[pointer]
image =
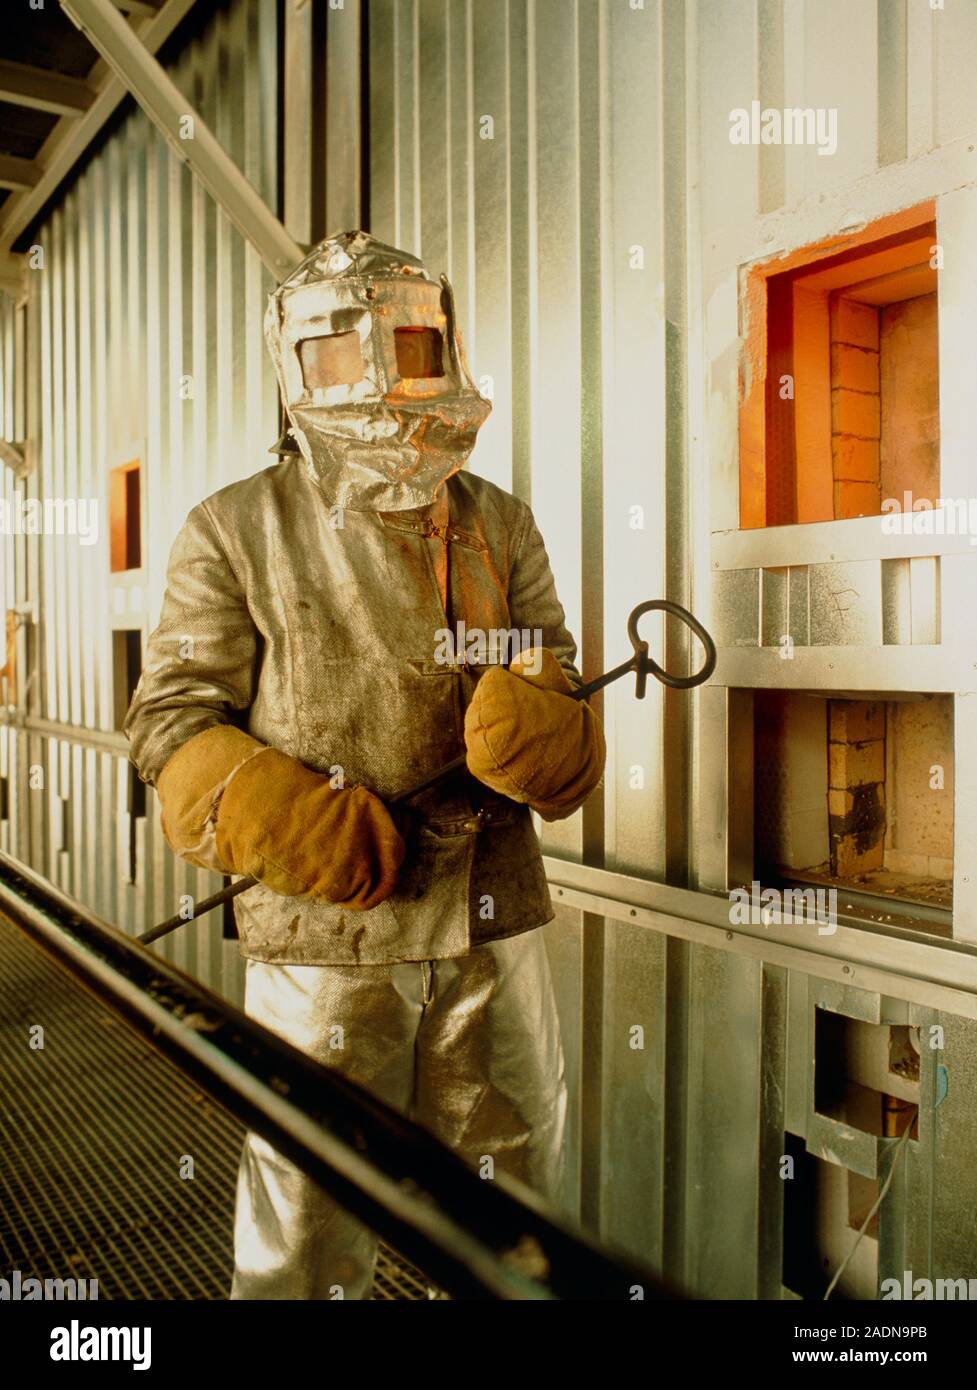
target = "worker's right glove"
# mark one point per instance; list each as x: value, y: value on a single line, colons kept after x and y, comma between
x: 231, y: 803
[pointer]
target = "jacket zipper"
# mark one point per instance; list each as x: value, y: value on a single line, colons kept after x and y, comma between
x: 443, y: 534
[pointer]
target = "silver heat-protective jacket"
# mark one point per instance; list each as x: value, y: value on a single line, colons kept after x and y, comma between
x: 321, y: 639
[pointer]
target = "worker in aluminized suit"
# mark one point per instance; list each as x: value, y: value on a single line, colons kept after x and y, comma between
x: 302, y: 671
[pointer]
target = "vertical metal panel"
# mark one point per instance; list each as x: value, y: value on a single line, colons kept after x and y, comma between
x: 722, y: 1137
x: 555, y: 439
x: 908, y: 1226
x: 954, y: 1212
x: 846, y: 604
x: 592, y: 48
x: 770, y: 93
x: 343, y: 135
x: 774, y: 609
x: 893, y: 57
x: 635, y: 1075
x: 10, y: 385
x: 491, y: 228
x: 384, y: 119
x: 921, y: 29
x: 840, y: 77
x: 565, y: 946
x: 677, y: 749
x: 434, y: 129
x: 633, y: 415
x: 772, y: 1139
x: 727, y: 55
x: 954, y: 29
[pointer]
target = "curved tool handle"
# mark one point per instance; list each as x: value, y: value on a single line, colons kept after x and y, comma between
x: 646, y: 666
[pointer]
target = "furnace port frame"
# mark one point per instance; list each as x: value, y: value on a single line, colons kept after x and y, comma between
x: 839, y: 410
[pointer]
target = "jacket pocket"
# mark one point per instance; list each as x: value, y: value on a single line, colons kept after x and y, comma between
x: 438, y: 861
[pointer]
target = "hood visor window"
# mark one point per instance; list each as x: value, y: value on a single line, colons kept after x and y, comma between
x: 335, y: 359
x: 419, y: 353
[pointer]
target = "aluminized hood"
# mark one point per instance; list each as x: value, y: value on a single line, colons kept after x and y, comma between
x: 384, y: 441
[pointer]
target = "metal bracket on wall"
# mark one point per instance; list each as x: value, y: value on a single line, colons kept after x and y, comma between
x: 939, y: 974
x: 14, y: 454
x: 168, y: 109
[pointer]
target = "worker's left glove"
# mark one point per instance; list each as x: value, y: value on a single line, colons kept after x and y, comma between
x: 527, y: 741
x: 230, y: 802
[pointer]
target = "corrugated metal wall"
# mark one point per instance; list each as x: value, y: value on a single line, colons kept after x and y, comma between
x: 568, y: 162
x: 145, y: 343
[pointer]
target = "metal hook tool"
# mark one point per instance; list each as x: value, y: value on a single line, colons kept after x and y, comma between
x: 642, y: 664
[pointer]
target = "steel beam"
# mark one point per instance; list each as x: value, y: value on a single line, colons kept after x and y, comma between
x: 137, y: 7
x: 43, y: 90
x: 18, y: 173
x: 12, y: 451
x: 170, y: 112
x: 72, y: 136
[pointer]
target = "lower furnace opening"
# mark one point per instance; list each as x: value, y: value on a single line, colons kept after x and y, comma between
x: 823, y: 1204
x: 856, y: 794
x: 866, y: 1075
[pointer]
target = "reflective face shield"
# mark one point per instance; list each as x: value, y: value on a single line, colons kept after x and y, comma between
x: 336, y: 359
x: 373, y: 374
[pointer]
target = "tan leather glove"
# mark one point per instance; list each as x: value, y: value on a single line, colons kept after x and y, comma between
x: 231, y: 803
x: 526, y: 740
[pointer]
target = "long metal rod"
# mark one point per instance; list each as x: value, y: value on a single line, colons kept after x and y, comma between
x: 473, y: 1237
x: 223, y: 895
x: 185, y: 132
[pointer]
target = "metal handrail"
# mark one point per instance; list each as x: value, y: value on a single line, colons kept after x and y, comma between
x: 476, y: 1238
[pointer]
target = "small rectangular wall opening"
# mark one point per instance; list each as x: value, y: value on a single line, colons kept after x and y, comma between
x: 840, y: 413
x: 229, y: 929
x: 125, y: 517
x: 136, y: 807
x: 126, y: 669
x: 823, y: 1204
x: 8, y: 672
x: 856, y: 794
x: 853, y: 1082
x: 904, y: 1052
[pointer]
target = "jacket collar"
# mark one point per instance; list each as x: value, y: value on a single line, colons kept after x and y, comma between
x: 433, y: 520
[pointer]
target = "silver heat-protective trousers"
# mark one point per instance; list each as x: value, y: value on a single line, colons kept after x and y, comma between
x: 468, y: 1047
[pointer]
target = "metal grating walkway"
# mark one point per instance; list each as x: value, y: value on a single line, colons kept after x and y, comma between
x: 94, y: 1128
